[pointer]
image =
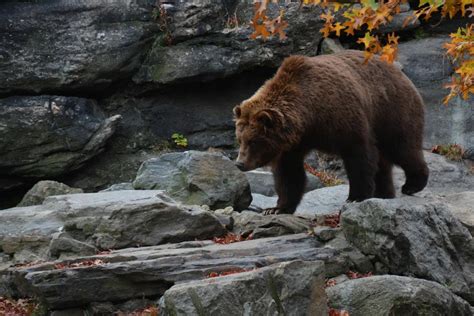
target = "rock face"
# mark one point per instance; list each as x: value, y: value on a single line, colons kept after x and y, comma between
x: 394, y: 295
x: 194, y: 177
x: 43, y: 189
x: 412, y: 236
x: 289, y: 288
x: 148, y: 272
x: 74, y: 45
x: 108, y: 220
x: 204, y: 47
x: 47, y: 136
x: 425, y: 63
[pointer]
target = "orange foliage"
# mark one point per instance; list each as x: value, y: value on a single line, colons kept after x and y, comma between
x: 332, y: 220
x: 148, y: 311
x: 372, y: 14
x: 336, y: 312
x: 85, y: 263
x: 326, y: 178
x: 21, y: 307
x: 356, y: 275
x: 230, y: 238
x: 228, y: 272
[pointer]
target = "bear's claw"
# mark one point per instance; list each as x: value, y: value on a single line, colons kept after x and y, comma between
x: 271, y: 211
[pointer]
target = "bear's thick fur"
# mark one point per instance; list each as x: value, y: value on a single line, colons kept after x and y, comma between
x: 369, y: 114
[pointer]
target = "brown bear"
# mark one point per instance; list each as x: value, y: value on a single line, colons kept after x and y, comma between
x: 371, y: 115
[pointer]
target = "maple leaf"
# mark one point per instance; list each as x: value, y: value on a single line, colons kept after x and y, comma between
x: 328, y: 18
x: 338, y: 28
x: 470, y: 9
x: 326, y: 30
x: 366, y: 40
x: 388, y: 53
x: 369, y: 3
x: 393, y: 39
x: 349, y: 27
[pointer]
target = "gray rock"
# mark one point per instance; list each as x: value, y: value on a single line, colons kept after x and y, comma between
x: 328, y: 200
x: 288, y: 288
x: 261, y: 181
x: 104, y: 220
x: 462, y: 207
x: 446, y: 176
x: 119, y: 187
x: 395, y: 295
x: 447, y: 124
x: 48, y: 136
x: 246, y: 223
x: 413, y: 236
x: 43, y: 189
x: 134, y: 273
x: 73, y: 45
x: 194, y: 177
x: 331, y: 46
x: 203, y: 48
x: 425, y: 62
x: 63, y: 246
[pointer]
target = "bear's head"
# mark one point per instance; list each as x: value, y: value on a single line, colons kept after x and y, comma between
x: 257, y: 131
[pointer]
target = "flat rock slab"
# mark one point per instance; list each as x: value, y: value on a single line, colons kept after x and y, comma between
x: 116, y: 219
x: 289, y: 288
x: 328, y: 200
x: 148, y: 272
x: 395, y: 295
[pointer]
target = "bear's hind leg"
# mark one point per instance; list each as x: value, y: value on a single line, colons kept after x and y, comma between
x: 290, y: 180
x: 384, y: 188
x: 360, y: 162
x: 416, y: 171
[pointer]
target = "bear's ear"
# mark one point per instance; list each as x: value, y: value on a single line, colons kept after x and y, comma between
x: 237, y: 111
x: 267, y: 118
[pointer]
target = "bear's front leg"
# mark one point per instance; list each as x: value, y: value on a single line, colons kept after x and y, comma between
x: 290, y: 181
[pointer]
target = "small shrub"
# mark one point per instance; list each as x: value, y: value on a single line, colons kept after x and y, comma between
x: 326, y: 177
x: 451, y: 151
x: 180, y: 140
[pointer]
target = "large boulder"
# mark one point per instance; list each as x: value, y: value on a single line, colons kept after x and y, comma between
x: 43, y: 189
x: 194, y: 177
x: 59, y: 45
x: 203, y: 47
x: 395, y: 295
x: 106, y: 220
x: 413, y: 236
x: 288, y: 288
x: 462, y: 207
x: 48, y: 136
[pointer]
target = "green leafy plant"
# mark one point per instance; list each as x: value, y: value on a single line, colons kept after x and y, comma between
x: 180, y: 140
x: 451, y: 151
